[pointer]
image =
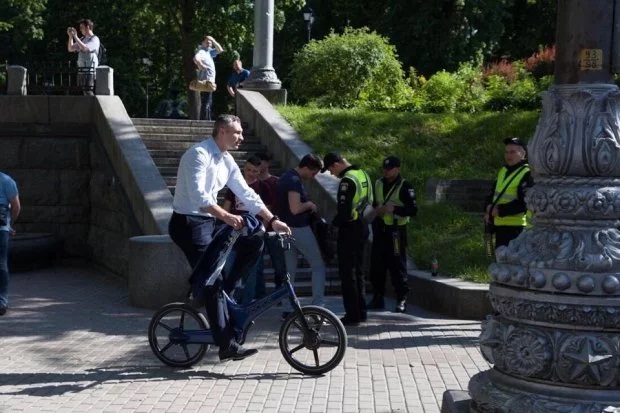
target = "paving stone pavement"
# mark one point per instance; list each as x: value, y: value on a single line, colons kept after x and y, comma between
x: 70, y: 342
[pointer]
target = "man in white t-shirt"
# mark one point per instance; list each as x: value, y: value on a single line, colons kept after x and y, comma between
x: 87, y: 48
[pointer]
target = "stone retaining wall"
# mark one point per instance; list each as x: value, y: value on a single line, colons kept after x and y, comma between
x: 469, y: 194
x: 81, y: 174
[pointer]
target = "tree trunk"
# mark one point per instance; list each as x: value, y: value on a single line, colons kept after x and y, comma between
x: 188, y: 19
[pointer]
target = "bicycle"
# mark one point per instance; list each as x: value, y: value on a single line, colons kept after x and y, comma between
x: 179, y: 335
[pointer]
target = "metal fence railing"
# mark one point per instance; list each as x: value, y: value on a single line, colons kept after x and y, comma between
x: 59, y: 78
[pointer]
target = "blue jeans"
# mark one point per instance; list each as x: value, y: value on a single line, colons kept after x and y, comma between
x: 306, y: 244
x: 276, y: 253
x: 206, y: 101
x: 4, y: 268
x: 253, y: 286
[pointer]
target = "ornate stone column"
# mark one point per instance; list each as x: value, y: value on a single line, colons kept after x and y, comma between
x: 555, y: 339
x: 263, y: 75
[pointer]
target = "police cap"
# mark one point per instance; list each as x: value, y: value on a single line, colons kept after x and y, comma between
x: 330, y: 159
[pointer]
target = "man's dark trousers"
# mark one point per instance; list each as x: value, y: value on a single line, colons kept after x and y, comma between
x: 193, y: 234
x: 389, y: 253
x: 351, y: 239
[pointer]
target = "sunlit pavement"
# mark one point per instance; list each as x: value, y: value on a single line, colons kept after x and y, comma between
x: 70, y: 342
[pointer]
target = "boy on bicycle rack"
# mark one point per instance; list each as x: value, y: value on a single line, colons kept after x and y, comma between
x: 204, y: 170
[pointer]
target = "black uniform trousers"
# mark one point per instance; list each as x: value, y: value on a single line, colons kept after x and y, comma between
x: 389, y: 253
x: 506, y: 233
x: 193, y: 234
x: 351, y: 239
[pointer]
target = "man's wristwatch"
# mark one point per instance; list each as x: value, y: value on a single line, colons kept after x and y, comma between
x: 273, y: 218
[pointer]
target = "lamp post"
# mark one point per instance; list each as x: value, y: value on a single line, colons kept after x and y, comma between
x: 309, y: 19
x: 147, y: 64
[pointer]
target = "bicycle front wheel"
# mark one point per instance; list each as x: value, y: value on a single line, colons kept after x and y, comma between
x: 167, y: 336
x: 317, y: 349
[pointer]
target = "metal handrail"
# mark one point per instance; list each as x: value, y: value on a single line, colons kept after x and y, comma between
x: 59, y: 78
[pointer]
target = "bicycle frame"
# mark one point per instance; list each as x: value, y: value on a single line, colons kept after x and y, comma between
x: 303, y: 333
x: 243, y: 316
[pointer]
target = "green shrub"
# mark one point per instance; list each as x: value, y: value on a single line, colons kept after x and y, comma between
x: 474, y: 96
x: 443, y: 92
x: 462, y: 91
x: 545, y: 82
x: 523, y: 93
x: 356, y: 68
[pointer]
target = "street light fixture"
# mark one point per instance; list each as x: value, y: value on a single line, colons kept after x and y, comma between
x: 309, y: 19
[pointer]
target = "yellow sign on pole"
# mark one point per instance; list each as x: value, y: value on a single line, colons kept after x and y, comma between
x: 591, y: 59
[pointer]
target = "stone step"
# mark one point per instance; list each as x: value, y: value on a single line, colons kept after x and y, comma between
x: 179, y: 137
x: 174, y: 130
x: 239, y: 155
x: 162, y: 160
x: 303, y: 281
x: 172, y: 136
x: 186, y: 144
x: 173, y: 122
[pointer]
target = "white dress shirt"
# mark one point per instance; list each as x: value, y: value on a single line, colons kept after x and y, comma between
x: 203, y: 171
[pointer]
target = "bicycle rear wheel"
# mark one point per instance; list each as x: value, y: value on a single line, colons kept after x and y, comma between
x: 167, y: 336
x: 318, y: 349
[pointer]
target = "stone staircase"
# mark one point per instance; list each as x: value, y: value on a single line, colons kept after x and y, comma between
x: 167, y: 140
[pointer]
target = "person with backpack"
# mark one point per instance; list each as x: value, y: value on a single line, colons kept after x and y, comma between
x: 87, y: 48
x: 296, y: 209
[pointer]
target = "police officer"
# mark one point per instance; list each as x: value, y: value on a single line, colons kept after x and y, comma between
x: 505, y: 206
x: 354, y: 192
x: 395, y: 203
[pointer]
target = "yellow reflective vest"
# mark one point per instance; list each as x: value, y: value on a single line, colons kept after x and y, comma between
x: 509, y: 195
x: 389, y: 218
x: 363, y: 191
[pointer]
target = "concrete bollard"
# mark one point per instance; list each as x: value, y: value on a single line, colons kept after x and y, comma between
x: 104, y: 84
x: 16, y: 81
x: 158, y: 271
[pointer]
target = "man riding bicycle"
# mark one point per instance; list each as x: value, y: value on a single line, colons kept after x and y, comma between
x: 204, y: 170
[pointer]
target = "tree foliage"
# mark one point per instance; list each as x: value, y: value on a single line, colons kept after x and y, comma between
x: 440, y: 34
x: 20, y: 22
x: 428, y: 35
x: 165, y: 33
x: 356, y: 68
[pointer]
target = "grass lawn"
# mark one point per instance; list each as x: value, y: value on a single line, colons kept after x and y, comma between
x: 447, y: 146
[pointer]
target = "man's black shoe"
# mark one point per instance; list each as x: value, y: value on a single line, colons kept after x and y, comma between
x: 3, y: 310
x: 376, y: 304
x: 237, y: 353
x: 346, y: 321
x: 401, y: 307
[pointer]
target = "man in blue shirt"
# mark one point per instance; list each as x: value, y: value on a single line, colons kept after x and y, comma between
x: 238, y: 76
x: 9, y: 210
x: 203, y: 59
x: 295, y: 208
x: 204, y: 170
